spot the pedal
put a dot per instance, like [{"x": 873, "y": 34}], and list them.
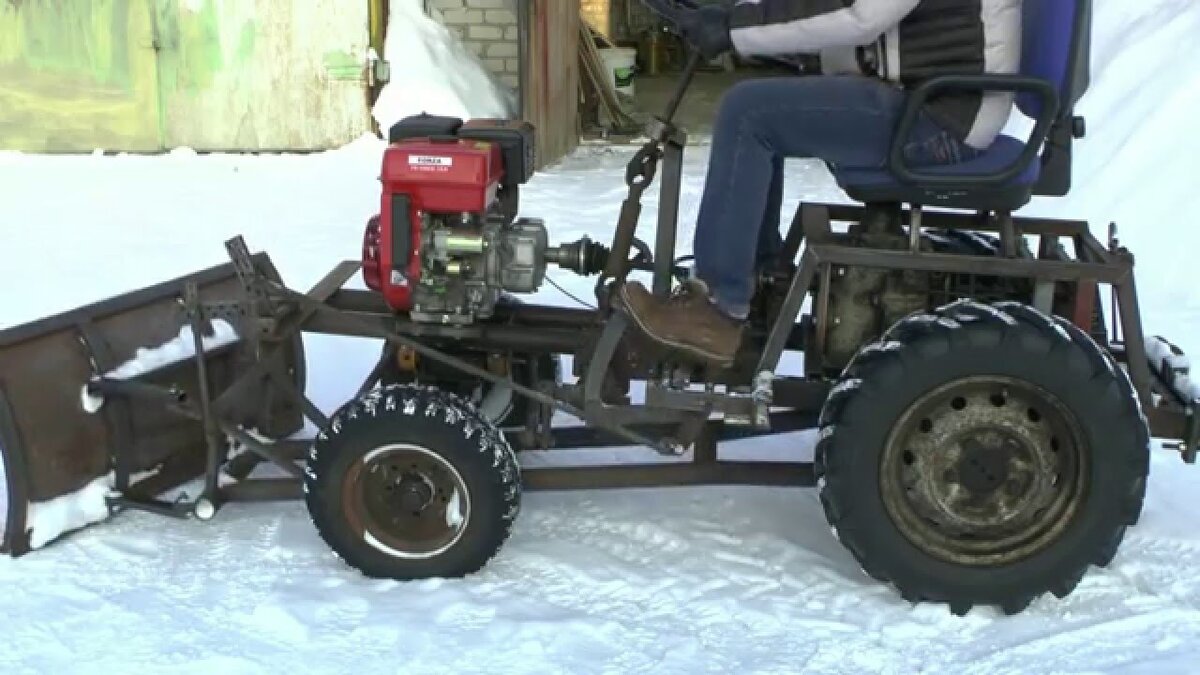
[{"x": 749, "y": 406}]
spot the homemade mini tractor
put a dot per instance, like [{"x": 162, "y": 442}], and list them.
[{"x": 984, "y": 432}]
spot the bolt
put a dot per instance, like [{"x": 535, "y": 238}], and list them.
[{"x": 204, "y": 509}]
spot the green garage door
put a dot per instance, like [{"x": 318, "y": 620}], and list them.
[
  {"x": 76, "y": 75},
  {"x": 145, "y": 75},
  {"x": 263, "y": 74}
]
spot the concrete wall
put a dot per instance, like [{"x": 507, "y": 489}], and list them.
[{"x": 487, "y": 27}]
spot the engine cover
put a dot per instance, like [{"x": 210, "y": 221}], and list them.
[
  {"x": 446, "y": 244},
  {"x": 429, "y": 184}
]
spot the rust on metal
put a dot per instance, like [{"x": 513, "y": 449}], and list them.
[
  {"x": 54, "y": 447},
  {"x": 985, "y": 470},
  {"x": 13, "y": 539}
]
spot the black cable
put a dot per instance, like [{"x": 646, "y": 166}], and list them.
[{"x": 569, "y": 294}]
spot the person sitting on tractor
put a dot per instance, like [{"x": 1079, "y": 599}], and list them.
[{"x": 870, "y": 51}]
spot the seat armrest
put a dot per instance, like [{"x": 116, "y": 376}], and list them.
[{"x": 919, "y": 96}]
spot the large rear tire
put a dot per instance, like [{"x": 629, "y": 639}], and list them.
[
  {"x": 411, "y": 483},
  {"x": 982, "y": 455}
]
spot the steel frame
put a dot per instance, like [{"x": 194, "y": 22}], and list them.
[
  {"x": 674, "y": 419},
  {"x": 330, "y": 309}
]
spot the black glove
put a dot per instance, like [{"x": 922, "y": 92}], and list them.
[{"x": 707, "y": 29}]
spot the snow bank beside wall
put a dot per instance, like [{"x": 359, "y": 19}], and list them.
[
  {"x": 433, "y": 72},
  {"x": 1139, "y": 164}
]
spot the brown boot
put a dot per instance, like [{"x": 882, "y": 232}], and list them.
[{"x": 687, "y": 321}]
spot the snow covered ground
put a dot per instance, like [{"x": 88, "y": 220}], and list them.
[{"x": 677, "y": 581}]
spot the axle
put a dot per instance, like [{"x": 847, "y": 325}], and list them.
[{"x": 586, "y": 257}]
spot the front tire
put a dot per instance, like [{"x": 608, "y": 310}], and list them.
[
  {"x": 411, "y": 483},
  {"x": 982, "y": 455}
]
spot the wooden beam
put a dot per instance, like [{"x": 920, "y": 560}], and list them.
[{"x": 551, "y": 95}]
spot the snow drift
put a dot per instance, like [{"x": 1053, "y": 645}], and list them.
[
  {"x": 433, "y": 72},
  {"x": 1139, "y": 164},
  {"x": 49, "y": 520}
]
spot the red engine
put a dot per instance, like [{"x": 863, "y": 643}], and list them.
[
  {"x": 422, "y": 177},
  {"x": 448, "y": 204}
]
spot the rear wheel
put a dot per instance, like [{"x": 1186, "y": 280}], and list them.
[
  {"x": 982, "y": 455},
  {"x": 410, "y": 482}
]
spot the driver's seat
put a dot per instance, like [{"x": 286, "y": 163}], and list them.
[{"x": 1052, "y": 78}]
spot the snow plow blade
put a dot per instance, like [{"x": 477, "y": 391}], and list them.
[{"x": 67, "y": 446}]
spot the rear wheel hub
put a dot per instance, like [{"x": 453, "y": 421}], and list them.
[{"x": 984, "y": 471}]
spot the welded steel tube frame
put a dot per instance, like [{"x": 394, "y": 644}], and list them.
[
  {"x": 1097, "y": 264},
  {"x": 330, "y": 309},
  {"x": 316, "y": 312},
  {"x": 340, "y": 312}
]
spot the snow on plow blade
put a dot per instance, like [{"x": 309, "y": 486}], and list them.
[{"x": 64, "y": 451}]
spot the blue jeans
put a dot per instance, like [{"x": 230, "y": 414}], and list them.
[{"x": 845, "y": 121}]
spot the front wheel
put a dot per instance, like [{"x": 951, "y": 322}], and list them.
[
  {"x": 410, "y": 482},
  {"x": 982, "y": 455}
]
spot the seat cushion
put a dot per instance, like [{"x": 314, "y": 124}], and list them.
[
  {"x": 880, "y": 186},
  {"x": 1001, "y": 155}
]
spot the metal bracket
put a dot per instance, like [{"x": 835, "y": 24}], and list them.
[
  {"x": 215, "y": 455},
  {"x": 179, "y": 508},
  {"x": 260, "y": 305},
  {"x": 1190, "y": 444},
  {"x": 117, "y": 414}
]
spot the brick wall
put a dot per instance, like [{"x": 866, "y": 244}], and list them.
[{"x": 488, "y": 28}]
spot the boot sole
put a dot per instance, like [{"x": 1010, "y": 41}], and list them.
[{"x": 695, "y": 352}]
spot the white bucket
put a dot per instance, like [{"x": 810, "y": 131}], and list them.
[{"x": 619, "y": 63}]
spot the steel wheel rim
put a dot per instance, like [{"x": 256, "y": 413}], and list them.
[
  {"x": 406, "y": 501},
  {"x": 985, "y": 470}
]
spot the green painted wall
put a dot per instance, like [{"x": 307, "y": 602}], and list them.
[
  {"x": 145, "y": 75},
  {"x": 77, "y": 75}
]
